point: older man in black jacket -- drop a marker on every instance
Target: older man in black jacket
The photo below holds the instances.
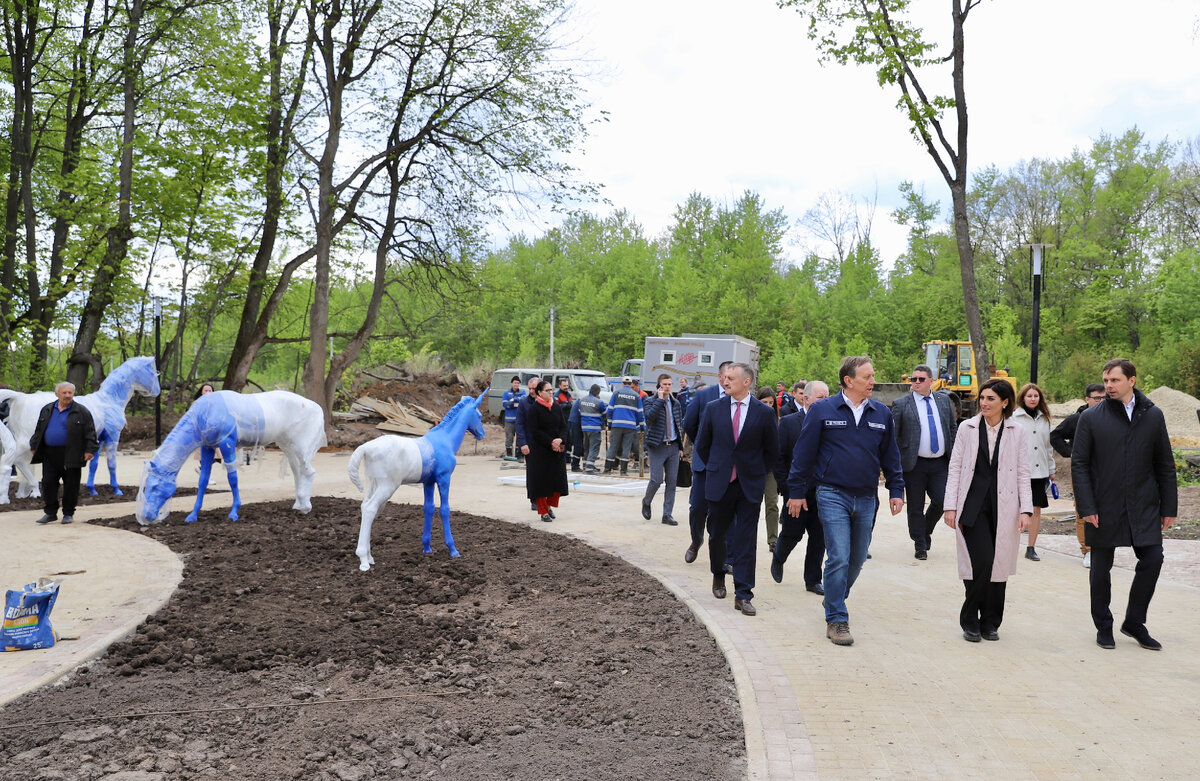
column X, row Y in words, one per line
column 63, row 441
column 1125, row 488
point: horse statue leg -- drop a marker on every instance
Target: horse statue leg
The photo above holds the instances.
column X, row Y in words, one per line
column 428, row 532
column 229, row 456
column 376, row 498
column 444, row 490
column 92, row 466
column 303, row 474
column 110, row 457
column 207, row 454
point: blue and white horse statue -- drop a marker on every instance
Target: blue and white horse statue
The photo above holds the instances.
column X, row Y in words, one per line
column 107, row 406
column 223, row 421
column 391, row 461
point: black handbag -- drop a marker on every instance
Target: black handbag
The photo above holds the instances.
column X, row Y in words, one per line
column 684, row 478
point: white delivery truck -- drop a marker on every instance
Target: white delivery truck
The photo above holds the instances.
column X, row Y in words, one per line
column 691, row 356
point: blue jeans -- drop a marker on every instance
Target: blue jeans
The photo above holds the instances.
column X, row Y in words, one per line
column 846, row 520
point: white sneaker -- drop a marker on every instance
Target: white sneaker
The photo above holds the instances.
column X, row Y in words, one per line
column 1087, row 559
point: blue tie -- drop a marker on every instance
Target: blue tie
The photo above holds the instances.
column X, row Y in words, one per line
column 934, row 445
column 670, row 423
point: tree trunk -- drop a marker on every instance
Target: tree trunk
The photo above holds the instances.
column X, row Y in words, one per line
column 120, row 234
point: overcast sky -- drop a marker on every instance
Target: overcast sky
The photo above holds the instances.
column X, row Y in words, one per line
column 721, row 96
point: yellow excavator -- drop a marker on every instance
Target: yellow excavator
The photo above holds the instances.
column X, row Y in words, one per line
column 953, row 365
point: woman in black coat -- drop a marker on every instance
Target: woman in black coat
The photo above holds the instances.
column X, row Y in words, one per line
column 546, row 469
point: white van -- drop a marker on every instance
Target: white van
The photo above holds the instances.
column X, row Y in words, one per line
column 581, row 381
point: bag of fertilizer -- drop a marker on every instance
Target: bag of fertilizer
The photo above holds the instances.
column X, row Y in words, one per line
column 27, row 617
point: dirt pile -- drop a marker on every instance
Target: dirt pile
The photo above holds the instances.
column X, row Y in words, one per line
column 531, row 656
column 1180, row 411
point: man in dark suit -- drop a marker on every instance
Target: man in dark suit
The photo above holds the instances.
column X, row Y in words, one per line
column 698, row 509
column 738, row 442
column 925, row 429
column 794, row 527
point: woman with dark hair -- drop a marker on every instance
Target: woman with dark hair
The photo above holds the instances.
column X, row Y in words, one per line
column 771, row 491
column 989, row 505
column 204, row 389
column 1033, row 415
column 546, row 472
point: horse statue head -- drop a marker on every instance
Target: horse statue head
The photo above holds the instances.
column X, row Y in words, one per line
column 158, row 485
column 475, row 418
column 144, row 375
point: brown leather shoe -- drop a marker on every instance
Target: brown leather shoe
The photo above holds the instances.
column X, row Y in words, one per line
column 745, row 606
column 839, row 633
column 689, row 555
column 719, row 586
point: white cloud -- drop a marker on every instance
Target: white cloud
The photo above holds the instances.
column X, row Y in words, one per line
column 720, row 96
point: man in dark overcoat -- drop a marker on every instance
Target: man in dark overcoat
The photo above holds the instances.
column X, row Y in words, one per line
column 63, row 441
column 1125, row 489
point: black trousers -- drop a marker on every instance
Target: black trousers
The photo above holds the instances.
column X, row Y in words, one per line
column 54, row 472
column 1145, row 579
column 697, row 510
column 983, row 604
column 733, row 537
column 792, row 532
column 927, row 478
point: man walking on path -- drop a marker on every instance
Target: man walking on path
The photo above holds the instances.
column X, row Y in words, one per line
column 698, row 505
column 63, row 441
column 625, row 418
column 794, row 527
column 664, row 446
column 1125, row 488
column 1061, row 439
column 846, row 440
column 925, row 430
column 739, row 442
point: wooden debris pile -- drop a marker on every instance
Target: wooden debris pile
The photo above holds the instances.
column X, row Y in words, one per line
column 412, row 419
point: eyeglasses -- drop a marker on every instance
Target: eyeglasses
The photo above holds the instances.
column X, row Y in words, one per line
column 919, row 380
column 1097, row 398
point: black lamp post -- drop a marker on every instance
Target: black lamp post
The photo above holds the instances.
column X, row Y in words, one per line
column 1037, row 281
column 158, row 368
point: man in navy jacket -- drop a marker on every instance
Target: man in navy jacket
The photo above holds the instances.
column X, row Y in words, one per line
column 698, row 510
column 739, row 443
column 846, row 440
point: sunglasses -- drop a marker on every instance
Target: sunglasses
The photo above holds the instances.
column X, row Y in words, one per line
column 919, row 380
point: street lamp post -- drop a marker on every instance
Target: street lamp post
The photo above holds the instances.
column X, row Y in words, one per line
column 1038, row 282
column 158, row 368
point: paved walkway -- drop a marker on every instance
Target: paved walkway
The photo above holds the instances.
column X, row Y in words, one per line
column 910, row 699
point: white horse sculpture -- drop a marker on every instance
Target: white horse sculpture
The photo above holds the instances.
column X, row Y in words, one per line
column 107, row 406
column 391, row 461
column 224, row 420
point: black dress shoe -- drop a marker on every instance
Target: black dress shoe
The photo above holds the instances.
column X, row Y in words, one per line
column 550, row 512
column 47, row 518
column 533, row 506
column 1031, row 554
column 922, row 555
column 990, row 634
column 816, row 588
column 745, row 606
column 645, row 509
column 1104, row 638
column 776, row 570
column 971, row 636
column 689, row 555
column 669, row 521
column 719, row 586
column 68, row 519
column 728, row 568
column 1143, row 637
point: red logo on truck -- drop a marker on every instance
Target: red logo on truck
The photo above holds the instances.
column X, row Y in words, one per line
column 685, row 359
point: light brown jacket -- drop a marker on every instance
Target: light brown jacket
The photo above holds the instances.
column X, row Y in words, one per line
column 1013, row 495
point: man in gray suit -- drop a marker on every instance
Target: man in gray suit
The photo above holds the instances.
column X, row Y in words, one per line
column 925, row 429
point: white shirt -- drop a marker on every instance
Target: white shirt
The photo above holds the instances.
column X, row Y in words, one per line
column 924, row 450
column 858, row 411
column 1129, row 407
column 741, row 421
column 992, row 432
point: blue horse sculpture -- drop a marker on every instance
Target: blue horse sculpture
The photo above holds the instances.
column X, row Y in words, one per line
column 223, row 421
column 107, row 406
column 391, row 461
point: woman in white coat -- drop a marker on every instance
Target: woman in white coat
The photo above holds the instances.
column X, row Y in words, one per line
column 1033, row 415
column 989, row 505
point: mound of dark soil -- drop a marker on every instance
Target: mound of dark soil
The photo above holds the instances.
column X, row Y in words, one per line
column 104, row 495
column 531, row 656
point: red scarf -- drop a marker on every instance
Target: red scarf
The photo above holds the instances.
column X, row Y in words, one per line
column 544, row 402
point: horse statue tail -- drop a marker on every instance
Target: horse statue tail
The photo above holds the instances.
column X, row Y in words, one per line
column 352, row 467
